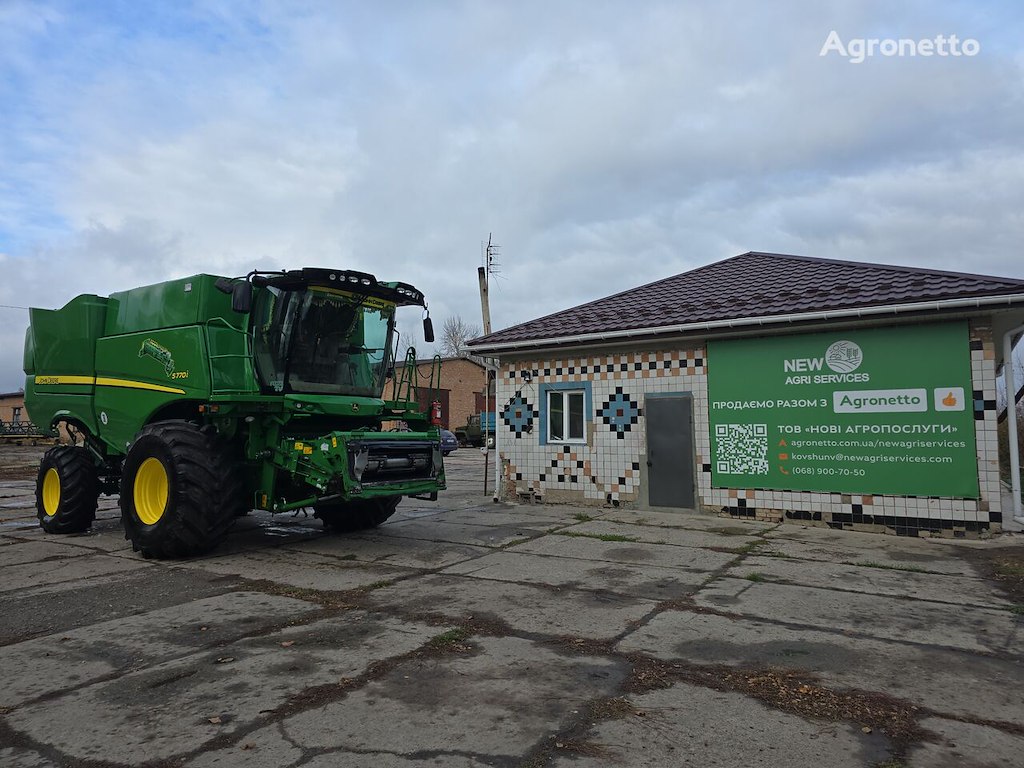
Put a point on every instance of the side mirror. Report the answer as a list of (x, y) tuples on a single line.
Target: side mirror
[(224, 284), (241, 296), (428, 330)]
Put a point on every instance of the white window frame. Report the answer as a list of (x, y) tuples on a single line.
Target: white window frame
[(567, 395)]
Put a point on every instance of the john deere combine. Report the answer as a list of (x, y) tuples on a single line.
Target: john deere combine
[(200, 399)]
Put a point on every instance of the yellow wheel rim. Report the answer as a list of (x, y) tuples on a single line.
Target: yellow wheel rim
[(150, 491), (51, 492)]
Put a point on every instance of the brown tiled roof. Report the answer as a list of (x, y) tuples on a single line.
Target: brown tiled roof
[(753, 285)]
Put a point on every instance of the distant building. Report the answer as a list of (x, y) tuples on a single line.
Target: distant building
[(12, 407), (461, 391)]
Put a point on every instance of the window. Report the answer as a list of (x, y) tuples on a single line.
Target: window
[(566, 416)]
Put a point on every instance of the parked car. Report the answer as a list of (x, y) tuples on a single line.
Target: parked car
[(449, 442)]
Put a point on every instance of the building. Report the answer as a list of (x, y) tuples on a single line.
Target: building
[(461, 392), (769, 386), (12, 407)]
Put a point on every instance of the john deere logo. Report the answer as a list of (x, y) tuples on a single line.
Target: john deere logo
[(159, 353), (843, 356)]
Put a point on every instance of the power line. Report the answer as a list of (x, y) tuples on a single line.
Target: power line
[(12, 306)]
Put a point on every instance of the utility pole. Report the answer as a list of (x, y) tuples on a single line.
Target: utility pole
[(483, 274)]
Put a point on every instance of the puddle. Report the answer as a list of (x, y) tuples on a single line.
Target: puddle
[(284, 531)]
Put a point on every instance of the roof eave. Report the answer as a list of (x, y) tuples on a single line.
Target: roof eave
[(966, 303)]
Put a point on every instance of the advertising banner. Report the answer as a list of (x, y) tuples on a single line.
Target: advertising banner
[(874, 411)]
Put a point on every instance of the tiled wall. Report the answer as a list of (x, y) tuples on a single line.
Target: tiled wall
[(609, 468)]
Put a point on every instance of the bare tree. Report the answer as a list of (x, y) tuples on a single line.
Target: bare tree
[(406, 340), (455, 332)]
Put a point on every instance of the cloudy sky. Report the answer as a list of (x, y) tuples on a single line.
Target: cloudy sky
[(604, 144)]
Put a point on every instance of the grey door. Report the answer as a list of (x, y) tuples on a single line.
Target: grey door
[(670, 473)]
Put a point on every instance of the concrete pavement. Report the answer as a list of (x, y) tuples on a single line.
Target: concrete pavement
[(468, 633)]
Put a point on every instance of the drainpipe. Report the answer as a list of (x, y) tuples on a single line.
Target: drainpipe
[(497, 446), (1011, 392)]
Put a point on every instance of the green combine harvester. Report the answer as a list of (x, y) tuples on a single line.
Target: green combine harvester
[(200, 399)]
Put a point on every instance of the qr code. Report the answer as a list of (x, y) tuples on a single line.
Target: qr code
[(742, 449)]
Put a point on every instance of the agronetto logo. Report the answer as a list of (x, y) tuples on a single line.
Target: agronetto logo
[(857, 49)]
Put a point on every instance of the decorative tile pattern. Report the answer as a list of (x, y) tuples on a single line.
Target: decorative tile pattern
[(620, 413), (519, 415)]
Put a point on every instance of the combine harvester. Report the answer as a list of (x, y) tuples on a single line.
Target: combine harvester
[(200, 399)]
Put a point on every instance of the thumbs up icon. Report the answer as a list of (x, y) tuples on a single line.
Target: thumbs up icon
[(950, 399)]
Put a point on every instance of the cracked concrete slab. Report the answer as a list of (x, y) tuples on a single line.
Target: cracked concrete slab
[(965, 745), (297, 569), (22, 552), (686, 519), (526, 608), (678, 537), (66, 569), (692, 727), (491, 536), (77, 657), (166, 710), (502, 516), (494, 702), (265, 748), (648, 581), (934, 587), (944, 680), (392, 551), (24, 758), (585, 548), (389, 760), (966, 627), (822, 544)]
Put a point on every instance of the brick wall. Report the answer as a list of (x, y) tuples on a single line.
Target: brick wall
[(8, 402), (462, 379)]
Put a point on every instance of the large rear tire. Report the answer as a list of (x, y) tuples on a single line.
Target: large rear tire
[(67, 490), (179, 491), (350, 516)]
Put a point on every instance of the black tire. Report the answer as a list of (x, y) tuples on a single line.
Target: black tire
[(349, 516), (180, 491), (67, 490)]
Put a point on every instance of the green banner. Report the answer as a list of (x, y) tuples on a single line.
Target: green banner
[(876, 411)]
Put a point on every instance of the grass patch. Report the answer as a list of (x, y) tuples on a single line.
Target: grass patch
[(1017, 609), (452, 639), (887, 567), (755, 577), (583, 517), (598, 536), (1010, 569)]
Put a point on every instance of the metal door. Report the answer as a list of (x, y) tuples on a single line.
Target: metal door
[(670, 472)]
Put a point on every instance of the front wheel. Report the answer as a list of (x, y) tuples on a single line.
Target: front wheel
[(67, 490), (356, 515), (179, 493)]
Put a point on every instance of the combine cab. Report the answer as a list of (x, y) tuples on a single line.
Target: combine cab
[(200, 399)]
